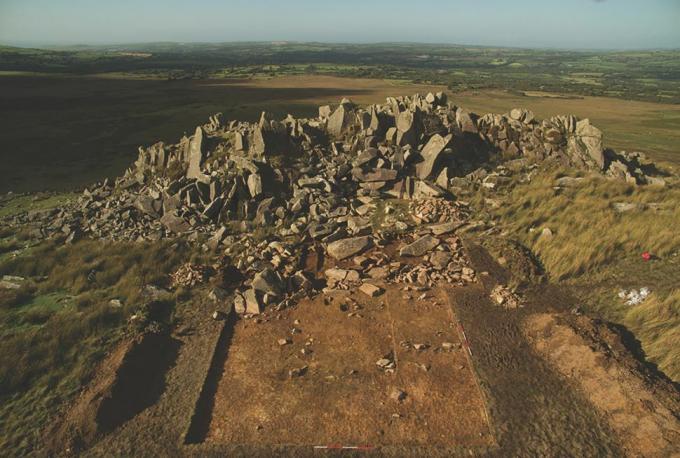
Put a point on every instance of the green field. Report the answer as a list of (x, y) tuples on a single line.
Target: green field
[(637, 75), (62, 132), (71, 116)]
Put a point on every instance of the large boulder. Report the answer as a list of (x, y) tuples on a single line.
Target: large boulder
[(340, 121), (268, 282), (585, 146), (405, 121), (345, 248), (406, 133), (432, 154), (420, 246)]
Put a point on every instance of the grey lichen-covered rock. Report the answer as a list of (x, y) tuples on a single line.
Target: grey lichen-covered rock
[(342, 275), (325, 111), (345, 248), (239, 142), (175, 223), (445, 228), (371, 290), (253, 302), (420, 246), (149, 205), (259, 144), (196, 155), (440, 259), (405, 121), (589, 140), (255, 184), (268, 281), (432, 155), (522, 115), (340, 121), (239, 304)]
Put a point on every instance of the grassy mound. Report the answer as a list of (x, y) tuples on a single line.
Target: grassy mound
[(587, 231)]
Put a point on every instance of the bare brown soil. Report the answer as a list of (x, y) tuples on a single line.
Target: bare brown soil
[(533, 411), (344, 397), (630, 402)]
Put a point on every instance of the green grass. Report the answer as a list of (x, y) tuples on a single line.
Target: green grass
[(656, 322), (588, 232), (59, 324), (47, 352), (27, 311), (595, 251), (30, 202)]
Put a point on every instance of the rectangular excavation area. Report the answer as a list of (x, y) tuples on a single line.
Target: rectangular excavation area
[(324, 386)]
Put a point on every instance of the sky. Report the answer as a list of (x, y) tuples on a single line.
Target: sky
[(575, 24)]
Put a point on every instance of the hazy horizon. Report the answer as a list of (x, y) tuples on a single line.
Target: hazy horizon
[(67, 45), (579, 25)]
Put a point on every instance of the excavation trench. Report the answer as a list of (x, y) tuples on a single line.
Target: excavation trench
[(324, 387), (131, 379)]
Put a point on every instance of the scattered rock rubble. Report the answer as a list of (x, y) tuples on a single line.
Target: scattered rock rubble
[(263, 193), (503, 296), (190, 275)]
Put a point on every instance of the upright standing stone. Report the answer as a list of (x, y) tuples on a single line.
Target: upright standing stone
[(196, 155), (339, 121), (590, 137)]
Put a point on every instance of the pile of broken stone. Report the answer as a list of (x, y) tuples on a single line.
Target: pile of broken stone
[(257, 192)]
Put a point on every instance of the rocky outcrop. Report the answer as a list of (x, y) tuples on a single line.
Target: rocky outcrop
[(274, 197), (322, 178)]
